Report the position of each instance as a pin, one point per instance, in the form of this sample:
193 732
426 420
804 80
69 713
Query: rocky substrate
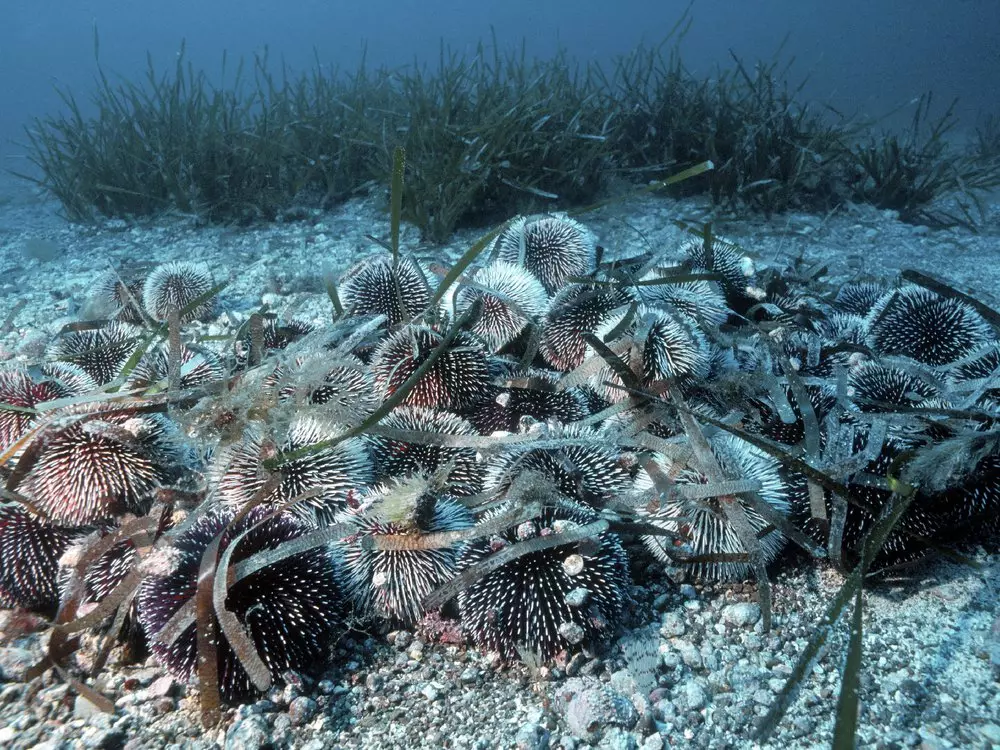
696 669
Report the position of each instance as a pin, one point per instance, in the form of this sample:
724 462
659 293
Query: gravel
932 642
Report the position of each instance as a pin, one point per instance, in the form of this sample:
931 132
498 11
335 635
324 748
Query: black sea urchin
547 601
399 458
553 248
177 285
377 287
456 380
95 463
29 558
918 323
394 582
99 352
332 472
702 521
290 609
511 297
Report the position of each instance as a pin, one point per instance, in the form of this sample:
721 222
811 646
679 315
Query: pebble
250 733
301 710
741 615
694 695
532 737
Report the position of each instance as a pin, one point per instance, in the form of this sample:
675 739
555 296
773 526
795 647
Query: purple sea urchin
702 521
290 609
398 458
673 348
100 352
701 300
29 558
553 248
393 582
376 287
511 297
198 367
883 384
96 463
19 394
718 255
457 379
547 601
574 311
859 298
918 323
121 293
333 472
177 285
511 404
585 469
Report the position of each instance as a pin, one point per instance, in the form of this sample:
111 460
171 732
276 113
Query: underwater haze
859 56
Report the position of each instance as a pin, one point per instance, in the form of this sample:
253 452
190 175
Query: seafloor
932 642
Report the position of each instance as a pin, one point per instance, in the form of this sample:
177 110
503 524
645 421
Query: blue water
860 55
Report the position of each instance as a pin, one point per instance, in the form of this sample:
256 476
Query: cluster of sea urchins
490 437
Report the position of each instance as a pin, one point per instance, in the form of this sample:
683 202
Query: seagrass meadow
545 427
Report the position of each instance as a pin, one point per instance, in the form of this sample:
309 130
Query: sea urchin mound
95 463
177 285
331 472
456 380
290 609
550 600
553 248
918 323
702 521
394 582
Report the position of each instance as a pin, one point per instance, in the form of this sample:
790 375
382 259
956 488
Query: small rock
250 733
572 632
401 639
84 709
617 739
162 687
991 733
469 675
653 742
430 692
689 654
741 614
595 709
694 695
301 710
688 591
14 662
532 737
